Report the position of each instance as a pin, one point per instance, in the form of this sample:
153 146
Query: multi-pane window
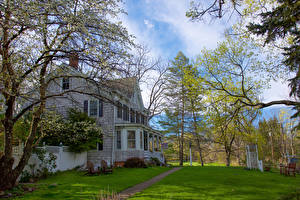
119 110
65 83
138 119
142 119
131 139
145 141
150 142
125 113
93 107
159 143
119 140
132 116
155 143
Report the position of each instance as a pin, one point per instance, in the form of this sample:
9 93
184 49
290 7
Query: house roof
124 85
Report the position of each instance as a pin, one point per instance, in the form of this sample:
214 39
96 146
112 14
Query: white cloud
148 24
278 91
193 35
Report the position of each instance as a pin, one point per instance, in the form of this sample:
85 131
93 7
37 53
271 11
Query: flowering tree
36 37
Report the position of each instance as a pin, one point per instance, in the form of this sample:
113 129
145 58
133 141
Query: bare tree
150 73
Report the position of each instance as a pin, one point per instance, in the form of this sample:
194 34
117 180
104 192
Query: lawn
221 183
75 185
176 163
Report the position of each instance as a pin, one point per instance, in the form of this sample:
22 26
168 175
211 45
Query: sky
162 26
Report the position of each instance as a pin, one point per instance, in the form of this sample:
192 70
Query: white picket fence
65 159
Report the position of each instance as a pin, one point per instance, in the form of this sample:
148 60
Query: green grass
213 183
75 185
176 163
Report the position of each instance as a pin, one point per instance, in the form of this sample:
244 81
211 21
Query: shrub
25 177
135 162
80 132
155 161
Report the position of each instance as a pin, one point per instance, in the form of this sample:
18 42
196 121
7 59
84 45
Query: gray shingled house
118 108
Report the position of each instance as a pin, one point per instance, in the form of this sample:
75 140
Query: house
117 106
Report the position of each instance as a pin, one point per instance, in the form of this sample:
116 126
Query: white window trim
98 101
61 84
128 148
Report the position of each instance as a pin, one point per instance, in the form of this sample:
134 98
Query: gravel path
139 187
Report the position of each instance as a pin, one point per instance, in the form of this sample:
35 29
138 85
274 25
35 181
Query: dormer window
65 83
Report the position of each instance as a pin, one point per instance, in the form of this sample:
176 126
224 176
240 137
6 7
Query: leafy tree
195 93
36 38
279 22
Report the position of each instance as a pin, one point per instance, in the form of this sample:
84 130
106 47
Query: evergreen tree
176 94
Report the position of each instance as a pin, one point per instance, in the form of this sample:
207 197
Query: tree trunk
182 128
228 159
197 137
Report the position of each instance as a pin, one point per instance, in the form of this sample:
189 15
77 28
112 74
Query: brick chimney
73 60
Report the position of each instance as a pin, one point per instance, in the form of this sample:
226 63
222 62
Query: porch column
137 139
148 142
157 142
161 149
124 139
153 143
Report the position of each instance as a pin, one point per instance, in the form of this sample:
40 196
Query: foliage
47 162
38 37
176 100
74 185
155 161
276 23
135 162
80 132
25 177
276 139
220 183
281 22
105 195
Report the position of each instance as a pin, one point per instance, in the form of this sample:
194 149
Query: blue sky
164 28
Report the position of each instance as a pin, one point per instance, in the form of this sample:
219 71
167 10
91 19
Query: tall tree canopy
276 20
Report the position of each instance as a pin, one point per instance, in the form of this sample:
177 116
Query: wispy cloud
148 24
168 31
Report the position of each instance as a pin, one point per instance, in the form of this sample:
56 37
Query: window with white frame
93 107
125 113
131 139
151 142
119 110
155 143
65 83
119 139
145 141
